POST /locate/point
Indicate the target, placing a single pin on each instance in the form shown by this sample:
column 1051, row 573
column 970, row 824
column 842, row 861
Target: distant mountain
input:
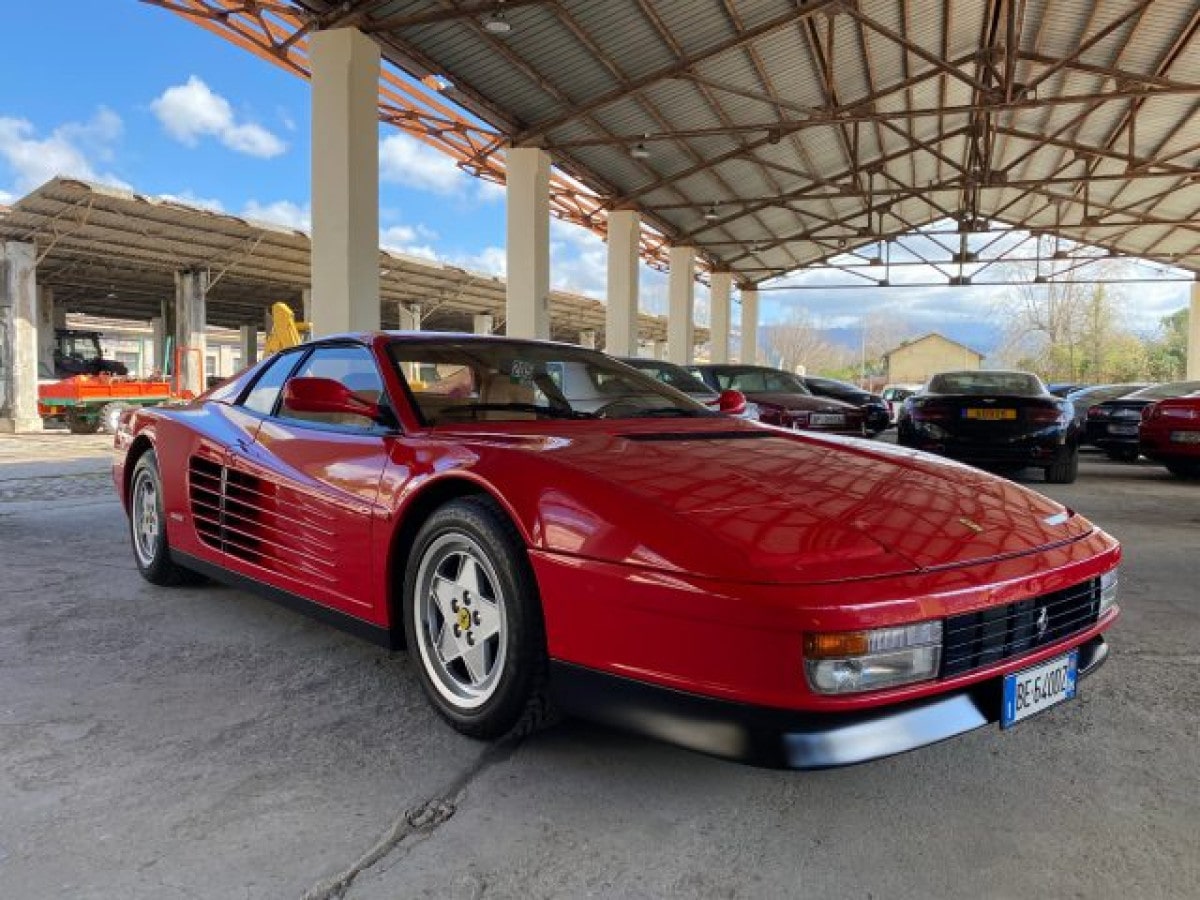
column 979, row 336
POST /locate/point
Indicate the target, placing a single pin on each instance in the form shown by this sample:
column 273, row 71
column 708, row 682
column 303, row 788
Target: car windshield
column 1163, row 391
column 1018, row 384
column 460, row 380
column 670, row 374
column 759, row 381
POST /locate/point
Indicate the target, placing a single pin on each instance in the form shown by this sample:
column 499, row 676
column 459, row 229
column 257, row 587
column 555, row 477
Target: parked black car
column 1113, row 425
column 994, row 419
column 876, row 417
column 1085, row 398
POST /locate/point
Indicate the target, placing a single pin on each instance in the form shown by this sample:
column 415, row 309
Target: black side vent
column 226, row 508
column 647, row 437
column 978, row 639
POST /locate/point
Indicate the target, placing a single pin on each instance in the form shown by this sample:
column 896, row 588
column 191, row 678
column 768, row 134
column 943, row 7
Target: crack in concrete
column 420, row 819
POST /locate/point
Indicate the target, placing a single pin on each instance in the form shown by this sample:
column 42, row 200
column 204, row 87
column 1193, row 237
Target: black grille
column 978, row 639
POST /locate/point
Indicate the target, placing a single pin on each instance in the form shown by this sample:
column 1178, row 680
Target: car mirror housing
column 732, row 403
column 324, row 395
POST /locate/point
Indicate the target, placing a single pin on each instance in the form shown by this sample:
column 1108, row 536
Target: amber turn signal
column 836, row 644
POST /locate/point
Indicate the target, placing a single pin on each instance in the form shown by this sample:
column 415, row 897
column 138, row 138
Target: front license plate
column 980, row 413
column 1185, row 437
column 1039, row 688
column 826, row 419
column 1123, row 429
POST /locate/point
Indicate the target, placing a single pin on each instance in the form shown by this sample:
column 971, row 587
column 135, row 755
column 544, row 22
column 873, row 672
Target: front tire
column 147, row 527
column 473, row 621
column 1064, row 469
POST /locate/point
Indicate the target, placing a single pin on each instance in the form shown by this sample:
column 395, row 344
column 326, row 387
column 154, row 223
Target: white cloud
column 491, row 192
column 6, row 199
column 193, row 110
column 191, row 199
column 284, row 213
column 406, row 238
column 407, row 161
column 68, row 150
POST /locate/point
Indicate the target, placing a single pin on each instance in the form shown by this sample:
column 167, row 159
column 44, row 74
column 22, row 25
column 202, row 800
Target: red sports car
column 1169, row 433
column 545, row 528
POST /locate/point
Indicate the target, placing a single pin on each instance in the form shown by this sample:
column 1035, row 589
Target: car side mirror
column 731, row 402
column 324, row 395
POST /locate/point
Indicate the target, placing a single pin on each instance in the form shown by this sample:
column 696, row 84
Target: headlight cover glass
column 856, row 661
column 1108, row 591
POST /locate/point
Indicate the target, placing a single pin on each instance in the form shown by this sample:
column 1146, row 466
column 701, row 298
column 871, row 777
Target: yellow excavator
column 285, row 330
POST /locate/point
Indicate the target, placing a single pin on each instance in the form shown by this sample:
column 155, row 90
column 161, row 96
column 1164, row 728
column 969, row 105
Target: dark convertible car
column 995, row 419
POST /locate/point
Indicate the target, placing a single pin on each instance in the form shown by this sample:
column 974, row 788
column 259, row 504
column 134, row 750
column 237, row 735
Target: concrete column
column 410, row 316
column 621, row 314
column 681, row 289
column 45, row 331
column 587, row 339
column 191, row 344
column 225, row 361
column 1193, row 345
column 345, row 181
column 158, row 337
column 483, row 323
column 249, row 340
column 18, row 337
column 306, row 304
column 719, row 324
column 527, row 311
column 749, row 354
column 658, row 349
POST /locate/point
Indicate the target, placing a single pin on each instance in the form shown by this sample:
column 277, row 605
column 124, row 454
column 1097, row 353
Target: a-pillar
column 681, row 290
column 483, row 323
column 249, row 341
column 719, row 305
column 345, row 181
column 18, row 337
column 527, row 312
column 191, row 344
column 621, row 314
column 47, row 321
column 1193, row 347
column 749, row 354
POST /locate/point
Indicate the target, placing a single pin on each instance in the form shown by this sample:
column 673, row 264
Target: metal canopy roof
column 109, row 252
column 781, row 132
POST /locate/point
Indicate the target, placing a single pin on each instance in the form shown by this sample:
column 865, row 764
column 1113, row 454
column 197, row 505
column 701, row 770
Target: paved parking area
column 204, row 743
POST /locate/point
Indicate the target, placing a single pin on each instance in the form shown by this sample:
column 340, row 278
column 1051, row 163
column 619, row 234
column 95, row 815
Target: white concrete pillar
column 410, row 316
column 527, row 312
column 1193, row 345
column 306, row 304
column 225, row 360
column 158, row 340
column 345, row 181
column 621, row 314
column 45, row 331
column 749, row 354
column 18, row 337
column 191, row 344
column 681, row 290
column 248, row 335
column 658, row 349
column 483, row 323
column 719, row 303
column 587, row 339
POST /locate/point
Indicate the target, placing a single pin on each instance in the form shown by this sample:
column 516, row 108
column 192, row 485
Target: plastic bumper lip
column 783, row 738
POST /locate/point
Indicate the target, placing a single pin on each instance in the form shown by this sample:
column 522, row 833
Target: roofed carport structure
column 778, row 134
column 111, row 252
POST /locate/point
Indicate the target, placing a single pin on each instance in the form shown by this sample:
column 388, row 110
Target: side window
column 352, row 366
column 266, row 389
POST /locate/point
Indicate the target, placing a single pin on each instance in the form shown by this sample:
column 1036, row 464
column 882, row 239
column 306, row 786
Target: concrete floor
column 204, row 743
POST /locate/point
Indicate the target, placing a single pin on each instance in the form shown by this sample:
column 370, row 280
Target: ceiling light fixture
column 496, row 22
column 710, row 214
column 640, row 150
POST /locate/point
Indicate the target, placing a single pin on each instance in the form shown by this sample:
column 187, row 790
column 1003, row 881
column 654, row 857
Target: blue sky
column 126, row 93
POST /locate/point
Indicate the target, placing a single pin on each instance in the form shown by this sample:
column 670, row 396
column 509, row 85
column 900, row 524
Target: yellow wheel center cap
column 464, row 619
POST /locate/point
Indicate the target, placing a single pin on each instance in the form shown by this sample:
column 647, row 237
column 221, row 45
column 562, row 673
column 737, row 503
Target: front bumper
column 778, row 738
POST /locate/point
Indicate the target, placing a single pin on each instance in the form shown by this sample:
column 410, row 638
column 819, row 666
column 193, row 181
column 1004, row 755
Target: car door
column 307, row 489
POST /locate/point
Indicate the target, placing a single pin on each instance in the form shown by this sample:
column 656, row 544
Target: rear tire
column 1064, row 469
column 473, row 621
column 110, row 417
column 77, row 424
column 147, row 527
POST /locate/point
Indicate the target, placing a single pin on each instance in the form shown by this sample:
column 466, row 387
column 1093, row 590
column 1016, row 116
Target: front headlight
column 1108, row 591
column 848, row 662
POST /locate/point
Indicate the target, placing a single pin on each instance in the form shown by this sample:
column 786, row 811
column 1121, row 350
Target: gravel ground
column 204, row 743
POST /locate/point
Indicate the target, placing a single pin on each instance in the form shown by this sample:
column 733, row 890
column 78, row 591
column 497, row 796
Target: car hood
column 802, row 402
column 746, row 502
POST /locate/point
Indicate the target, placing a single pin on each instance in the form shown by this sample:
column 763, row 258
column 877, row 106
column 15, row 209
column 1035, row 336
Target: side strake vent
column 699, row 436
column 256, row 520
